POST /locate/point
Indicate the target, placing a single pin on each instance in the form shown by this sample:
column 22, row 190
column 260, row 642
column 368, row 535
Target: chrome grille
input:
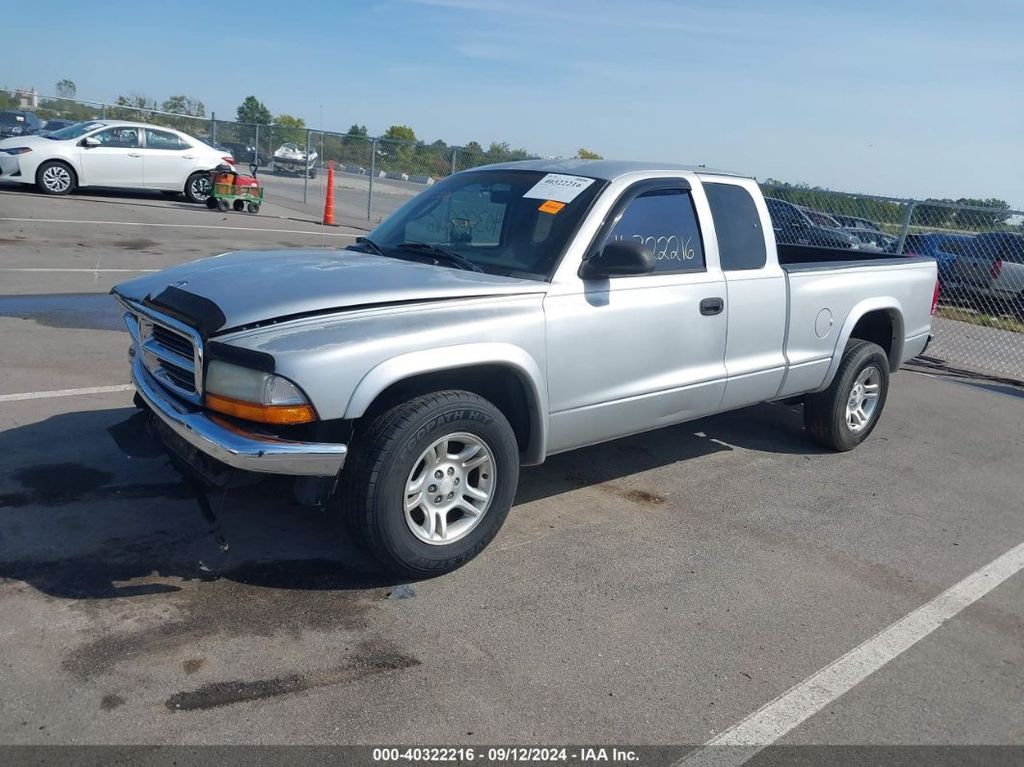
column 171, row 340
column 170, row 351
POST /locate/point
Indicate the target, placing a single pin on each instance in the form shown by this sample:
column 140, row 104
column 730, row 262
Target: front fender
column 411, row 364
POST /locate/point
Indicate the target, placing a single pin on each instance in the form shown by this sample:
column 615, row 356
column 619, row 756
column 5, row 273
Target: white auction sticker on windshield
column 555, row 186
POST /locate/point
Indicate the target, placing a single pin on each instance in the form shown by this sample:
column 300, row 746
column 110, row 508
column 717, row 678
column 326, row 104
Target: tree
column 357, row 131
column 254, row 111
column 586, row 154
column 66, row 89
column 288, row 128
column 184, row 105
column 982, row 219
column 398, row 148
column 134, row 106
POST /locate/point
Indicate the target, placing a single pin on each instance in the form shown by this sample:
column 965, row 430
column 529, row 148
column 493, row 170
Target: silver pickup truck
column 503, row 315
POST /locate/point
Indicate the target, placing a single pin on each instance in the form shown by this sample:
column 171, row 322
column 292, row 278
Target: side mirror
column 90, row 141
column 619, row 258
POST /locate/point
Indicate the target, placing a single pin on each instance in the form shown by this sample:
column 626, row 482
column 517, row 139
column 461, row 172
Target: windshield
column 74, row 131
column 514, row 222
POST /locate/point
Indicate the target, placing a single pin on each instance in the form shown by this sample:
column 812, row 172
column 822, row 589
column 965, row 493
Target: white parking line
column 64, row 393
column 772, row 721
column 62, row 269
column 317, row 232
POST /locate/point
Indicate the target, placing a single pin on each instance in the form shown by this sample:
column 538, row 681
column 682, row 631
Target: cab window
column 738, row 226
column 665, row 222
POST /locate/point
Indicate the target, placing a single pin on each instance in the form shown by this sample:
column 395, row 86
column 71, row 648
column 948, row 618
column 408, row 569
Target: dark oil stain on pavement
column 110, row 702
column 91, row 311
column 192, row 665
column 59, row 484
column 639, row 496
column 256, row 599
column 135, row 244
column 370, row 658
column 62, row 478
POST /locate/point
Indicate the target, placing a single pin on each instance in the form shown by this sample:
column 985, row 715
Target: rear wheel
column 238, row 205
column 55, row 177
column 431, row 482
column 842, row 416
column 198, row 187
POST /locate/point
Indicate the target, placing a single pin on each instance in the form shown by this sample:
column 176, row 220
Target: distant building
column 27, row 98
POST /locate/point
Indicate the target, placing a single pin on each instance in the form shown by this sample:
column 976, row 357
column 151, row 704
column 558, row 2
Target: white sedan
column 112, row 153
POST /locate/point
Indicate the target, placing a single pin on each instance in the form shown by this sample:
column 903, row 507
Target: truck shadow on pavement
column 91, row 509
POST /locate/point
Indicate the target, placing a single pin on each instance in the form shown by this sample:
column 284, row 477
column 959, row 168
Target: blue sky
column 911, row 97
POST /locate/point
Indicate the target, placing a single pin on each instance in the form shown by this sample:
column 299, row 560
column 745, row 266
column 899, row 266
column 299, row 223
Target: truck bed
column 808, row 257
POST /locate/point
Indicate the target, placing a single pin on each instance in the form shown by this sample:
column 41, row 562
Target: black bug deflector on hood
column 242, row 288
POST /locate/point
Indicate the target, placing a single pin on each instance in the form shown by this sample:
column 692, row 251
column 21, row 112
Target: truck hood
column 243, row 288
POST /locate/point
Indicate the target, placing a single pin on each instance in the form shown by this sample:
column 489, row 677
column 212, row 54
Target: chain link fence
column 979, row 248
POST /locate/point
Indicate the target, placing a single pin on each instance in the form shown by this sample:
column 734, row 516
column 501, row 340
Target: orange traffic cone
column 329, row 198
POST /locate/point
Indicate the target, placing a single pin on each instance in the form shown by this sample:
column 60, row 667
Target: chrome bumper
column 235, row 446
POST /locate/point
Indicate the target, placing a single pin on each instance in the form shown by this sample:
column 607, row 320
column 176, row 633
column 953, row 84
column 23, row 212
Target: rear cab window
column 738, row 226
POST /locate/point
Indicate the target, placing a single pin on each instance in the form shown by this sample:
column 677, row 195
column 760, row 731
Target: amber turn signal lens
column 250, row 411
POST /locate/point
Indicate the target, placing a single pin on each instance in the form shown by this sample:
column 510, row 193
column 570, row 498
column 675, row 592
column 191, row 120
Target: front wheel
column 55, row 177
column 842, row 416
column 198, row 187
column 431, row 482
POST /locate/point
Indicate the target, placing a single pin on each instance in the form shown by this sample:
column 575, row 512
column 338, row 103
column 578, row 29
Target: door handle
column 712, row 306
column 187, row 157
column 134, row 154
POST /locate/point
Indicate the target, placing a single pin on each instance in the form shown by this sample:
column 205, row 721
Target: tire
column 252, row 208
column 56, row 177
column 863, row 371
column 223, row 206
column 211, row 202
column 197, row 187
column 238, row 206
column 396, row 453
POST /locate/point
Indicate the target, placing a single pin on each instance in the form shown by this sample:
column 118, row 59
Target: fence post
column 256, row 147
column 455, row 157
column 305, row 176
column 213, row 125
column 373, row 172
column 906, row 225
column 103, row 111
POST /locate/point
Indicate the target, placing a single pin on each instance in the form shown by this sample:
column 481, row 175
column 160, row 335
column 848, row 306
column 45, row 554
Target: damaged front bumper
column 233, row 445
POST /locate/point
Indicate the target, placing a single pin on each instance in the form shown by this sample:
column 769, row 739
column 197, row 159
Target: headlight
column 255, row 395
column 18, row 150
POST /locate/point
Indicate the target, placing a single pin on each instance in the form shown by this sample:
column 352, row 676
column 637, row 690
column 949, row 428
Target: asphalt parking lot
column 655, row 590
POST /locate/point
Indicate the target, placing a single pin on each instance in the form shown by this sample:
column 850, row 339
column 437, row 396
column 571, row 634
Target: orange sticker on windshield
column 551, row 206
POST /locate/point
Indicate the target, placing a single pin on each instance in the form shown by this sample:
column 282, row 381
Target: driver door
column 116, row 162
column 632, row 353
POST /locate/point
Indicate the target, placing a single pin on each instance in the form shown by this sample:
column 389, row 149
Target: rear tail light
column 228, row 159
column 997, row 269
column 935, row 297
